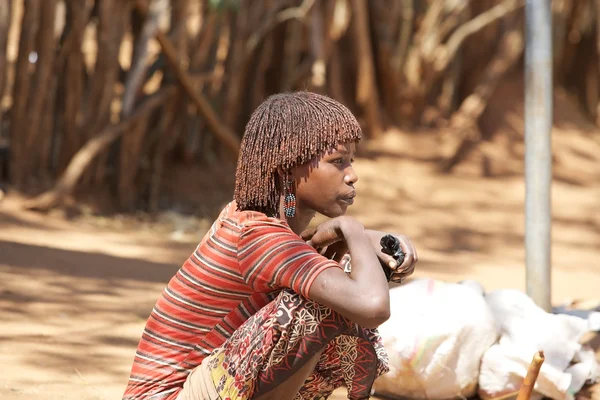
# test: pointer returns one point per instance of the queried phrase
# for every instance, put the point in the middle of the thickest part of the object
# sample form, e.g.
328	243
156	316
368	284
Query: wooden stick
531	377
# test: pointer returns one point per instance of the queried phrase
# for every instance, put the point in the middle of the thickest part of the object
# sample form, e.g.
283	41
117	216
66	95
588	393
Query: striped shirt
239	267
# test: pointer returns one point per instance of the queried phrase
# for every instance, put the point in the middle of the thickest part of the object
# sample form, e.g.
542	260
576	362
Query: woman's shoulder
248	218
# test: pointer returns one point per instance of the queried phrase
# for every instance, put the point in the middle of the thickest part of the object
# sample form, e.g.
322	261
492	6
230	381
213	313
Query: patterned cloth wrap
276	341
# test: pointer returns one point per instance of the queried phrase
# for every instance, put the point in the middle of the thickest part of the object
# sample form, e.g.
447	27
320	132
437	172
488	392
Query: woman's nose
351	177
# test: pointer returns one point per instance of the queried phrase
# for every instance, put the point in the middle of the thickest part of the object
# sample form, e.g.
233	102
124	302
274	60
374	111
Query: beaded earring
289	199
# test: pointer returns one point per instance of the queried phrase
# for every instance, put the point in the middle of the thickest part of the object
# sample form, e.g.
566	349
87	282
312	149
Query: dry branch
464	122
429	37
428	58
231	142
84	157
447	53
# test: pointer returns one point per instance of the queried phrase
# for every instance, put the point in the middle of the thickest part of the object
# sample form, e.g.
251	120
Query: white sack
435	338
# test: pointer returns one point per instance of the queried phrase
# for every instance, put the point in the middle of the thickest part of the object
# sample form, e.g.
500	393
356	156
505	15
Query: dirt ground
75	293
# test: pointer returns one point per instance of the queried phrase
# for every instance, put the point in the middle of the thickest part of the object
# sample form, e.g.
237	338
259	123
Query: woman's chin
335	211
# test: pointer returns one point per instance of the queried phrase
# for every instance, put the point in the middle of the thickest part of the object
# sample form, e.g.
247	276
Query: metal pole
538	152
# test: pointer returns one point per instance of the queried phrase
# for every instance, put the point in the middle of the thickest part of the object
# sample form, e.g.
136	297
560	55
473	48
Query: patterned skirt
280	338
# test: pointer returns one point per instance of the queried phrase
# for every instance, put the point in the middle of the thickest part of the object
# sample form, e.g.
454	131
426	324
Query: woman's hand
331	233
400	272
328	239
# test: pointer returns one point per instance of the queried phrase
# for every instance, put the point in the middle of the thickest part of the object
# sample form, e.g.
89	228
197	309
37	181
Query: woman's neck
300	221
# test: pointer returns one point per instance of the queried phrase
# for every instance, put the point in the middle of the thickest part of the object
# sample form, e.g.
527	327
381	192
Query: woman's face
326	185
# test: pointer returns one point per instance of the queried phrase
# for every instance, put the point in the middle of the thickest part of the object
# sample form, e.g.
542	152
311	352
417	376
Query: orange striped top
239	266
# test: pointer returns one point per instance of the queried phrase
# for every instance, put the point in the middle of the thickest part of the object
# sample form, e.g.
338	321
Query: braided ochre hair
286	130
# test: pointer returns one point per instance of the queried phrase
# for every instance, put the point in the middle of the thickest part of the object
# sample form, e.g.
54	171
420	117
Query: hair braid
286	130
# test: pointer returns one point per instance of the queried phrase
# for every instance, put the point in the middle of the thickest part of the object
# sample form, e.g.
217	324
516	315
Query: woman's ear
286	175
281	173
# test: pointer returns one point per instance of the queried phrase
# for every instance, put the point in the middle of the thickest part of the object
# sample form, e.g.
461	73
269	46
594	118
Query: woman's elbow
377	313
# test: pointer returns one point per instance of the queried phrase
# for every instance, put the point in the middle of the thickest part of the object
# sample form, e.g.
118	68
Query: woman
262	309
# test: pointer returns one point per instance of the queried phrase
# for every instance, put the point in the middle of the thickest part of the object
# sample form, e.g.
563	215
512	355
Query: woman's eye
338	161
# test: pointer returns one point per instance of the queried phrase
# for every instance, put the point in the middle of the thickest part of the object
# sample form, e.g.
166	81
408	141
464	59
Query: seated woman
263	309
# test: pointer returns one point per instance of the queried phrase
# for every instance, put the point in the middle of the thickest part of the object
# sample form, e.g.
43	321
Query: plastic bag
435	338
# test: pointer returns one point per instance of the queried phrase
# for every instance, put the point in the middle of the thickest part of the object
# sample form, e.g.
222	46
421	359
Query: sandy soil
75	293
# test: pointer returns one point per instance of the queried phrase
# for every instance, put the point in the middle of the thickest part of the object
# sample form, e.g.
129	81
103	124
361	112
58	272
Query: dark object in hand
390	245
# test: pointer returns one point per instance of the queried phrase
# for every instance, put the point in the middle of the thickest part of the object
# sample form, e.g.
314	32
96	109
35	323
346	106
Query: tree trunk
561	13
259	82
597	3
109	33
19	121
158	161
175	115
42	86
404	35
47	133
215	27
221	55
448	96
239	67
317	45
340	20
205	39
131	144
384	17
291	58
366	94
71	82
113	19
5	16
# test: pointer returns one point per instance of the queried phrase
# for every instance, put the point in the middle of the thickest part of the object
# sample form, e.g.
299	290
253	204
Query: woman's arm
363	295
338	250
